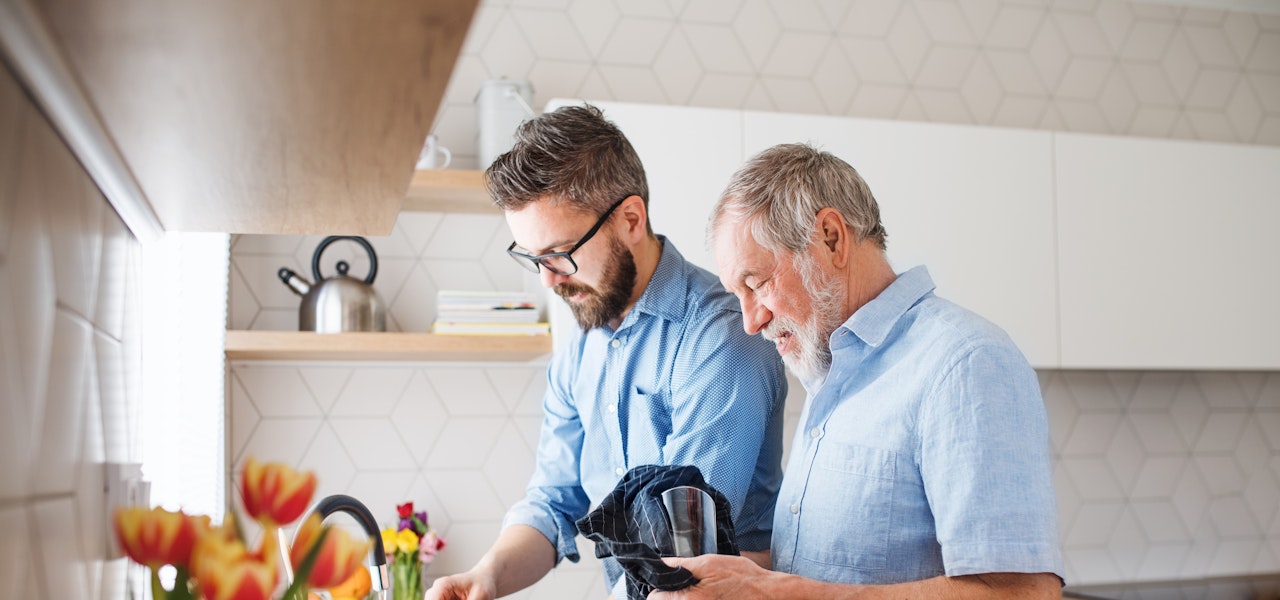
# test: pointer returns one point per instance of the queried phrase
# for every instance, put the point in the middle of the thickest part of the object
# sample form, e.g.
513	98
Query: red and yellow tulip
156	537
274	494
339	555
227	570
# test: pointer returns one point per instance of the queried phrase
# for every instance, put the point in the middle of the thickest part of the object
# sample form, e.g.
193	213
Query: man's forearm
518	559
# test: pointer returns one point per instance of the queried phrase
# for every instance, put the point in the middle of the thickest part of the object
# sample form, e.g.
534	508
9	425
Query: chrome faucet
344	503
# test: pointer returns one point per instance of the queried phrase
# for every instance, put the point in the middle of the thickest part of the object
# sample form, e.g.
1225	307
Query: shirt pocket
648	425
848	507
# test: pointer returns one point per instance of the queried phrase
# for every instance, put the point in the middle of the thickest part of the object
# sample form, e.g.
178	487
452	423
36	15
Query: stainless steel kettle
341	303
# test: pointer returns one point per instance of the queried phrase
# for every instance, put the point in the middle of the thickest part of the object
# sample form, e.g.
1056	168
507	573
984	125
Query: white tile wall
1158	474
1129	68
68	359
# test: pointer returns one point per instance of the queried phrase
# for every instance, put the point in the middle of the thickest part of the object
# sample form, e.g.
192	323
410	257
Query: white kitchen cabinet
1169	257
973	204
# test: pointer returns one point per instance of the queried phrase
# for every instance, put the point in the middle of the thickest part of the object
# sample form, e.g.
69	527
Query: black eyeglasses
561	263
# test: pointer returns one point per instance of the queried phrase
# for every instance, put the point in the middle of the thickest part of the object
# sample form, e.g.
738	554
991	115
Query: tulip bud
338	557
226	570
275	494
156	537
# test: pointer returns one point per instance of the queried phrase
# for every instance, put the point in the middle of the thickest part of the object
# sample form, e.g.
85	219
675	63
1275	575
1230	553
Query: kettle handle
373	257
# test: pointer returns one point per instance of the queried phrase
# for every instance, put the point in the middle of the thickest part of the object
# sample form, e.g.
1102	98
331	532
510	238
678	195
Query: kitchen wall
68	362
1159	474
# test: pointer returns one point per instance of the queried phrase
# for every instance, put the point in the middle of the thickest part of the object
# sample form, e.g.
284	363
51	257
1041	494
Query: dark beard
600	307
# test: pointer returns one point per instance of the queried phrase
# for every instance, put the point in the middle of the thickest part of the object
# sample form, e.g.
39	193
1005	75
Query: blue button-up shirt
924	452
678	383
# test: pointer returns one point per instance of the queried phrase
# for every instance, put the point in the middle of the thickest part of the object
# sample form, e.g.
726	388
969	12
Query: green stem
182	585
298	588
157	590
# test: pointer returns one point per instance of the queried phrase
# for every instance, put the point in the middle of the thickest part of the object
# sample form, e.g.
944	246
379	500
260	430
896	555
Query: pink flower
429	546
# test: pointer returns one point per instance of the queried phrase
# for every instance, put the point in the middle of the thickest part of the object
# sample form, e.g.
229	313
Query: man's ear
833	236
635	218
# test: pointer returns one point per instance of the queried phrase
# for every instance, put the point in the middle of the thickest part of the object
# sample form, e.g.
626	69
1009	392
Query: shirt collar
665	295
873	322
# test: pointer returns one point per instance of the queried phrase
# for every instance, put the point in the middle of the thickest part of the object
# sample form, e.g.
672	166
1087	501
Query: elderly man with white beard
920	466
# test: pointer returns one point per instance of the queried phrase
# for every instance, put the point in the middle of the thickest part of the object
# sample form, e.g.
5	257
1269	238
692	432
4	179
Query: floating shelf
449	190
388	346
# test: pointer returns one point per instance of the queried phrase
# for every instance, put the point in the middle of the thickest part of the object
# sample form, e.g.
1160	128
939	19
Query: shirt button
615	343
619	471
795	509
815	433
613	408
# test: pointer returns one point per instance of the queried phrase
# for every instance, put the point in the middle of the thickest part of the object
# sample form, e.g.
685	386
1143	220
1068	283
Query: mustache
565	290
778	328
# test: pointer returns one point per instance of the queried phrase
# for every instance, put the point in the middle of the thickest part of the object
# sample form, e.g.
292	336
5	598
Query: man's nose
549	279
755	316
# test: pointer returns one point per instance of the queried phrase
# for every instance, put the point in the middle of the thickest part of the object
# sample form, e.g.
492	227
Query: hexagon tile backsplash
1168	69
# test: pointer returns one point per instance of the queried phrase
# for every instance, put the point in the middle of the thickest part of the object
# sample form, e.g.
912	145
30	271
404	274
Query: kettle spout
295	281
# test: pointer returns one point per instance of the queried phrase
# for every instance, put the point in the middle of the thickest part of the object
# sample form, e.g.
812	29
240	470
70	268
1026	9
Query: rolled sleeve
986	467
555	498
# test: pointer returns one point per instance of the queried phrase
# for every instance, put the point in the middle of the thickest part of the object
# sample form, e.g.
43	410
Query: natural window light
184	303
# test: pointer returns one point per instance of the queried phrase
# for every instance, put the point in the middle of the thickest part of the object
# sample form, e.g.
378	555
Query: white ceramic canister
501	105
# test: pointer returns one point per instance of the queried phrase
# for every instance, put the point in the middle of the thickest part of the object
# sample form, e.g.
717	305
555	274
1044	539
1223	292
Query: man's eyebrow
546	250
741	278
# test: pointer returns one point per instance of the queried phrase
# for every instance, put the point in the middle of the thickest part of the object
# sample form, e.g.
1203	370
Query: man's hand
721	576
463	586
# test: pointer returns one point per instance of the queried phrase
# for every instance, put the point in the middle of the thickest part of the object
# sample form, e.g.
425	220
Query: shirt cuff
1029	557
561	533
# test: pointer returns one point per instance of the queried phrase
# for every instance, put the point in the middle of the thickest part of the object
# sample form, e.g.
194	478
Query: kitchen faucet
344	503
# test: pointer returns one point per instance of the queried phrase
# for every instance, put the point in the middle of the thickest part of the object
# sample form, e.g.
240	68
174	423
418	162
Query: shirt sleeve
555	498
727	394
986	467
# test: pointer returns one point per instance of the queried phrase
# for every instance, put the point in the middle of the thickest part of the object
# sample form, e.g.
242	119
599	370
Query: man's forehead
738	254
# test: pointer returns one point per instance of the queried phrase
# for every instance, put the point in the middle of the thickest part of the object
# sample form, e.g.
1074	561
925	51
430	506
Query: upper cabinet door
975	205
1169	253
283	116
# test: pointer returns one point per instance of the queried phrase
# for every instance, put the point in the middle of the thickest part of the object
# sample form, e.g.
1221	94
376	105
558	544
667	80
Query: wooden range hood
251	116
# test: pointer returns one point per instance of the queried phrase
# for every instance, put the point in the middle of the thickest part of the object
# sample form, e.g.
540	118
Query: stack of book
487	313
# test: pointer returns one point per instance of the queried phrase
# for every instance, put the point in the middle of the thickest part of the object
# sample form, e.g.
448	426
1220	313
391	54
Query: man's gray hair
574	155
779	192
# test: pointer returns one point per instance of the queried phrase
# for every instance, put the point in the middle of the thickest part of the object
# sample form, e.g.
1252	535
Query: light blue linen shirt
678	383
924	452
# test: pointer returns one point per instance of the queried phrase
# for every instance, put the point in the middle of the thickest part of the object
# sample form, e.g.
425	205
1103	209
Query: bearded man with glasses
663	372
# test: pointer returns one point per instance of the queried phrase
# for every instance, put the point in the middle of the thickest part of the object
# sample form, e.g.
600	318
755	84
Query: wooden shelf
389	346
449	190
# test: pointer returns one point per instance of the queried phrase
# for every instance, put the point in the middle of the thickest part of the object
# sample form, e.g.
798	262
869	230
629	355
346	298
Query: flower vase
406	578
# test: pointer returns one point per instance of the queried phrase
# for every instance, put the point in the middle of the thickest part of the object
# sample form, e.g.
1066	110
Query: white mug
433	155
